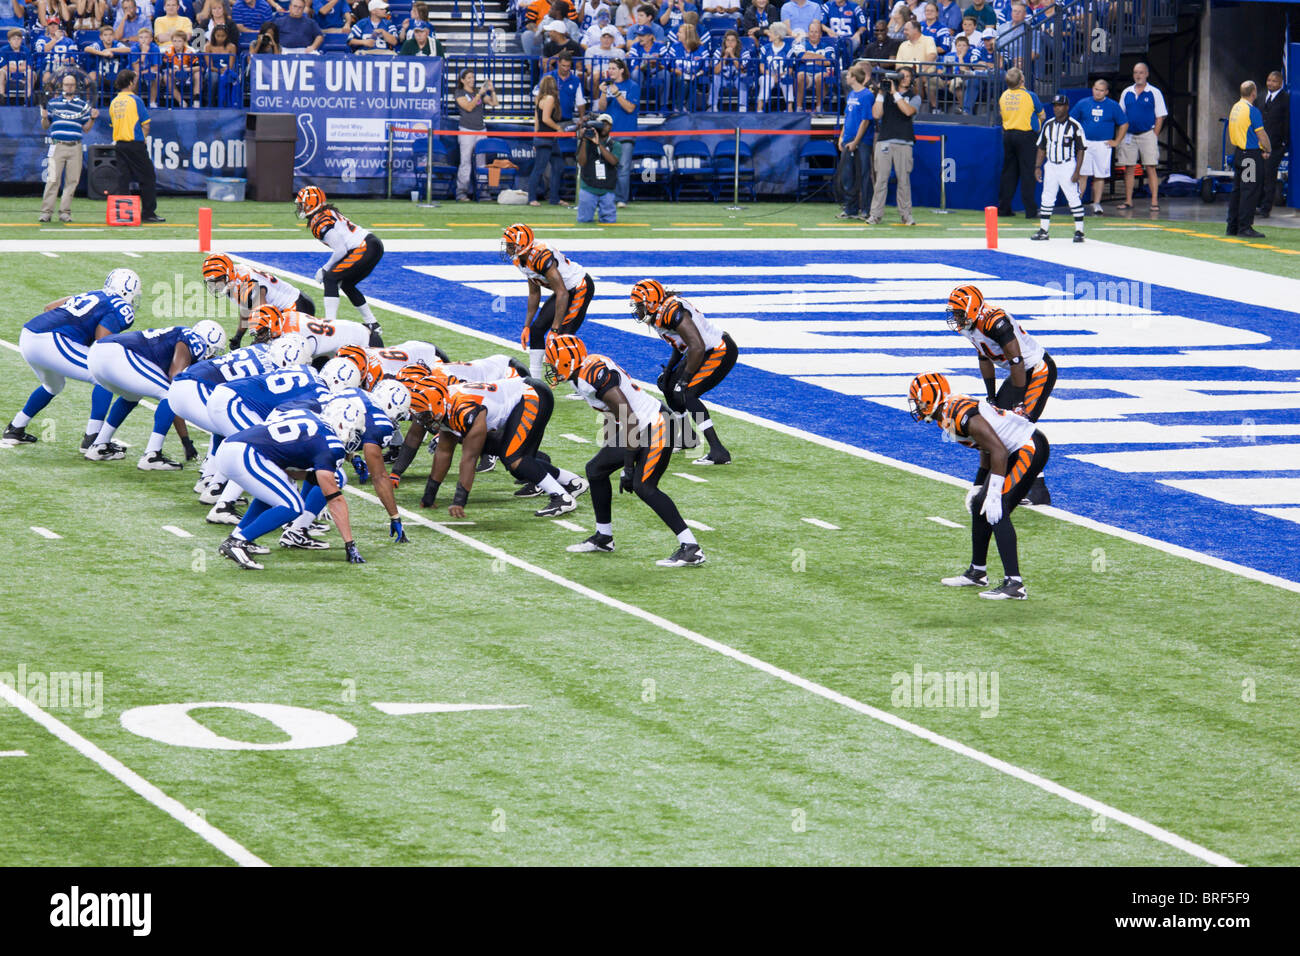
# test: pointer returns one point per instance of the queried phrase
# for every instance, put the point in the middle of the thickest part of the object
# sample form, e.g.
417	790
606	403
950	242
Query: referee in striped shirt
1060	160
68	117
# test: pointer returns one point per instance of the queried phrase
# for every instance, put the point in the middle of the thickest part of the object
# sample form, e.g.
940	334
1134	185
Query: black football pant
135	166
1022	470
648	465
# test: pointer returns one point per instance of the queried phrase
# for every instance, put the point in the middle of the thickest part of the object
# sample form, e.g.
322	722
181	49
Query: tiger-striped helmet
964	305
564	354
428	400
371	369
927	395
516	241
309	200
265	323
648	296
218	271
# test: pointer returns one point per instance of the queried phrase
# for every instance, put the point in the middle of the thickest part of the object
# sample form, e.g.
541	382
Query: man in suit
1276	107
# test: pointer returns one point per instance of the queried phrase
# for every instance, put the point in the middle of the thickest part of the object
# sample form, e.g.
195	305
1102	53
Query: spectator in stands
718	15
130	21
797	14
758	16
68	117
620	97
882	47
530	39
267	41
591	35
180	69
730	66
625	18
222	70
645	17
598	57
1022	115
18	75
816	65
1276	109
1104	126
171	21
776	67
419	13
102	59
673	13
895	105
598	167
950	15
297	33
692	68
58	51
569	86
854	172
1251	147
546	149
558	43
847	23
918	51
420	42
248	16
471	99
588	10
992	60
1144	107
375	33
1013	36
936	29
985	15
145	60
964	62
219	16
644	56
85	14
898	18
333	16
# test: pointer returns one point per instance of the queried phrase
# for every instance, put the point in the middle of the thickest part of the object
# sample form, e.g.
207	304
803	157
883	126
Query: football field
810	695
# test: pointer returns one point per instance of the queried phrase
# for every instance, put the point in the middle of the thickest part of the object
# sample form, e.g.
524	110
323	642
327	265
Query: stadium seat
649	154
692	169
485	151
335	43
818	160
724	165
444	173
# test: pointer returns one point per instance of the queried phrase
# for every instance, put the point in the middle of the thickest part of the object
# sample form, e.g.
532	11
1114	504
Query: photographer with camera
619	95
896	104
599	168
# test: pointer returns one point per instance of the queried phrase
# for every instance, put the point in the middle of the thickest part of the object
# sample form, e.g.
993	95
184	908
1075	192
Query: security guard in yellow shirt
130	129
1022	115
1251	147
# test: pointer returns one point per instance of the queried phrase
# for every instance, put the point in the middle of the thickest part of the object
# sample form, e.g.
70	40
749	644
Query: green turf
1124	684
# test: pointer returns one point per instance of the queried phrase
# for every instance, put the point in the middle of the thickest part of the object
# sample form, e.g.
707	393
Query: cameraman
599	168
895	105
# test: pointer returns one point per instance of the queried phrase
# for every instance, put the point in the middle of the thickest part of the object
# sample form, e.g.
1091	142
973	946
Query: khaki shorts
1139	147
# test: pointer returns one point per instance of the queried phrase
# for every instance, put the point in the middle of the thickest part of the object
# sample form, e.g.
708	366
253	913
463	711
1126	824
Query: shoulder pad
322	222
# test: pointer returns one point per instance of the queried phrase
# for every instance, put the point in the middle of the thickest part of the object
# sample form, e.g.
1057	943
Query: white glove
320	274
970	495
993	500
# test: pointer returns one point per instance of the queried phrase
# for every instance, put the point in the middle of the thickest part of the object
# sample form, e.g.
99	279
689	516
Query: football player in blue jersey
265	459
56	345
136	365
390	402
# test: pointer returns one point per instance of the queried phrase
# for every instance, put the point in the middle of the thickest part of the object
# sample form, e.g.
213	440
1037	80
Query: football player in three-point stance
324	337
636	444
1000	341
702	357
248	289
1012	455
354	253
570	286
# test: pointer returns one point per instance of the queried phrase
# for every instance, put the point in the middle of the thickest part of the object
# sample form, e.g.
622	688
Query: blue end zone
1138	502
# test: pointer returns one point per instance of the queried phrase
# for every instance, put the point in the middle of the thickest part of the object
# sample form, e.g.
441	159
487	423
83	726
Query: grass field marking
819	523
46	533
401	710
1042	783
124	774
133	255
689	477
179	532
576	438
1130	259
943	521
569	525
13	753
697	525
50	255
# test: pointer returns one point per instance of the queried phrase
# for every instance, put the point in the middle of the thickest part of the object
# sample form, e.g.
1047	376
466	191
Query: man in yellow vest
130	130
1251	148
1022	115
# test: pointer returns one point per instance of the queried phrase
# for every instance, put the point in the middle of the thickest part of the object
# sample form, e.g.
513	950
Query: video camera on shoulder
590	127
883	81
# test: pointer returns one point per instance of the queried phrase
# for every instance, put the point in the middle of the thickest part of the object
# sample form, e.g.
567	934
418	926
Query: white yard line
46	533
943	521
13	753
689	477
576	438
819	523
885	717
569	525
179	532
399	710
173	808
697	525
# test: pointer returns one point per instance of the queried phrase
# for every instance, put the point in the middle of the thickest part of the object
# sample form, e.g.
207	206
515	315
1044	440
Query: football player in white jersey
324	337
702	356
375	365
636	444
1002	343
1012	454
248	289
354	253
570	286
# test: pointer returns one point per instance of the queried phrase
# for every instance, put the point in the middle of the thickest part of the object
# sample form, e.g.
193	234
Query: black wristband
461	497
331	497
431	490
405	456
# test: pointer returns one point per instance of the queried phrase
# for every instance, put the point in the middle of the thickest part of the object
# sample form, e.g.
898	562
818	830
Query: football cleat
252	547
1009	590
486	462
317	528
211	492
970	578
1078	236
224	514
18	435
686	554
576	487
560	505
109	451
1040	235
1038	493
157	461
201	485
293	538
88	440
236	551
597	542
710	459
527	490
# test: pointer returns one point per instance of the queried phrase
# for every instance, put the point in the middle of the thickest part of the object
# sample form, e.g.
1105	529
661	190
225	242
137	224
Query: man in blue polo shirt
855	158
248	17
68	117
298	33
1104	125
1144	108
570	86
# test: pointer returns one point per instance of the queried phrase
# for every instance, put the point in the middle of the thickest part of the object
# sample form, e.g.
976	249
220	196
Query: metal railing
179	81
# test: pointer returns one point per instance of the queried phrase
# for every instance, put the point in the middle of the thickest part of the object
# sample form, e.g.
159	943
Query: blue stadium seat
335	43
648	154
444	174
724	165
692	169
485	151
818	160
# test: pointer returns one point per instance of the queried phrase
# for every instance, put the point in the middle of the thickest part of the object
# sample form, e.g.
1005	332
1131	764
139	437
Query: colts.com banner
343	105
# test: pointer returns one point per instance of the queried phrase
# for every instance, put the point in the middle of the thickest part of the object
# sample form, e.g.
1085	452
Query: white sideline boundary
124	774
1025	776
